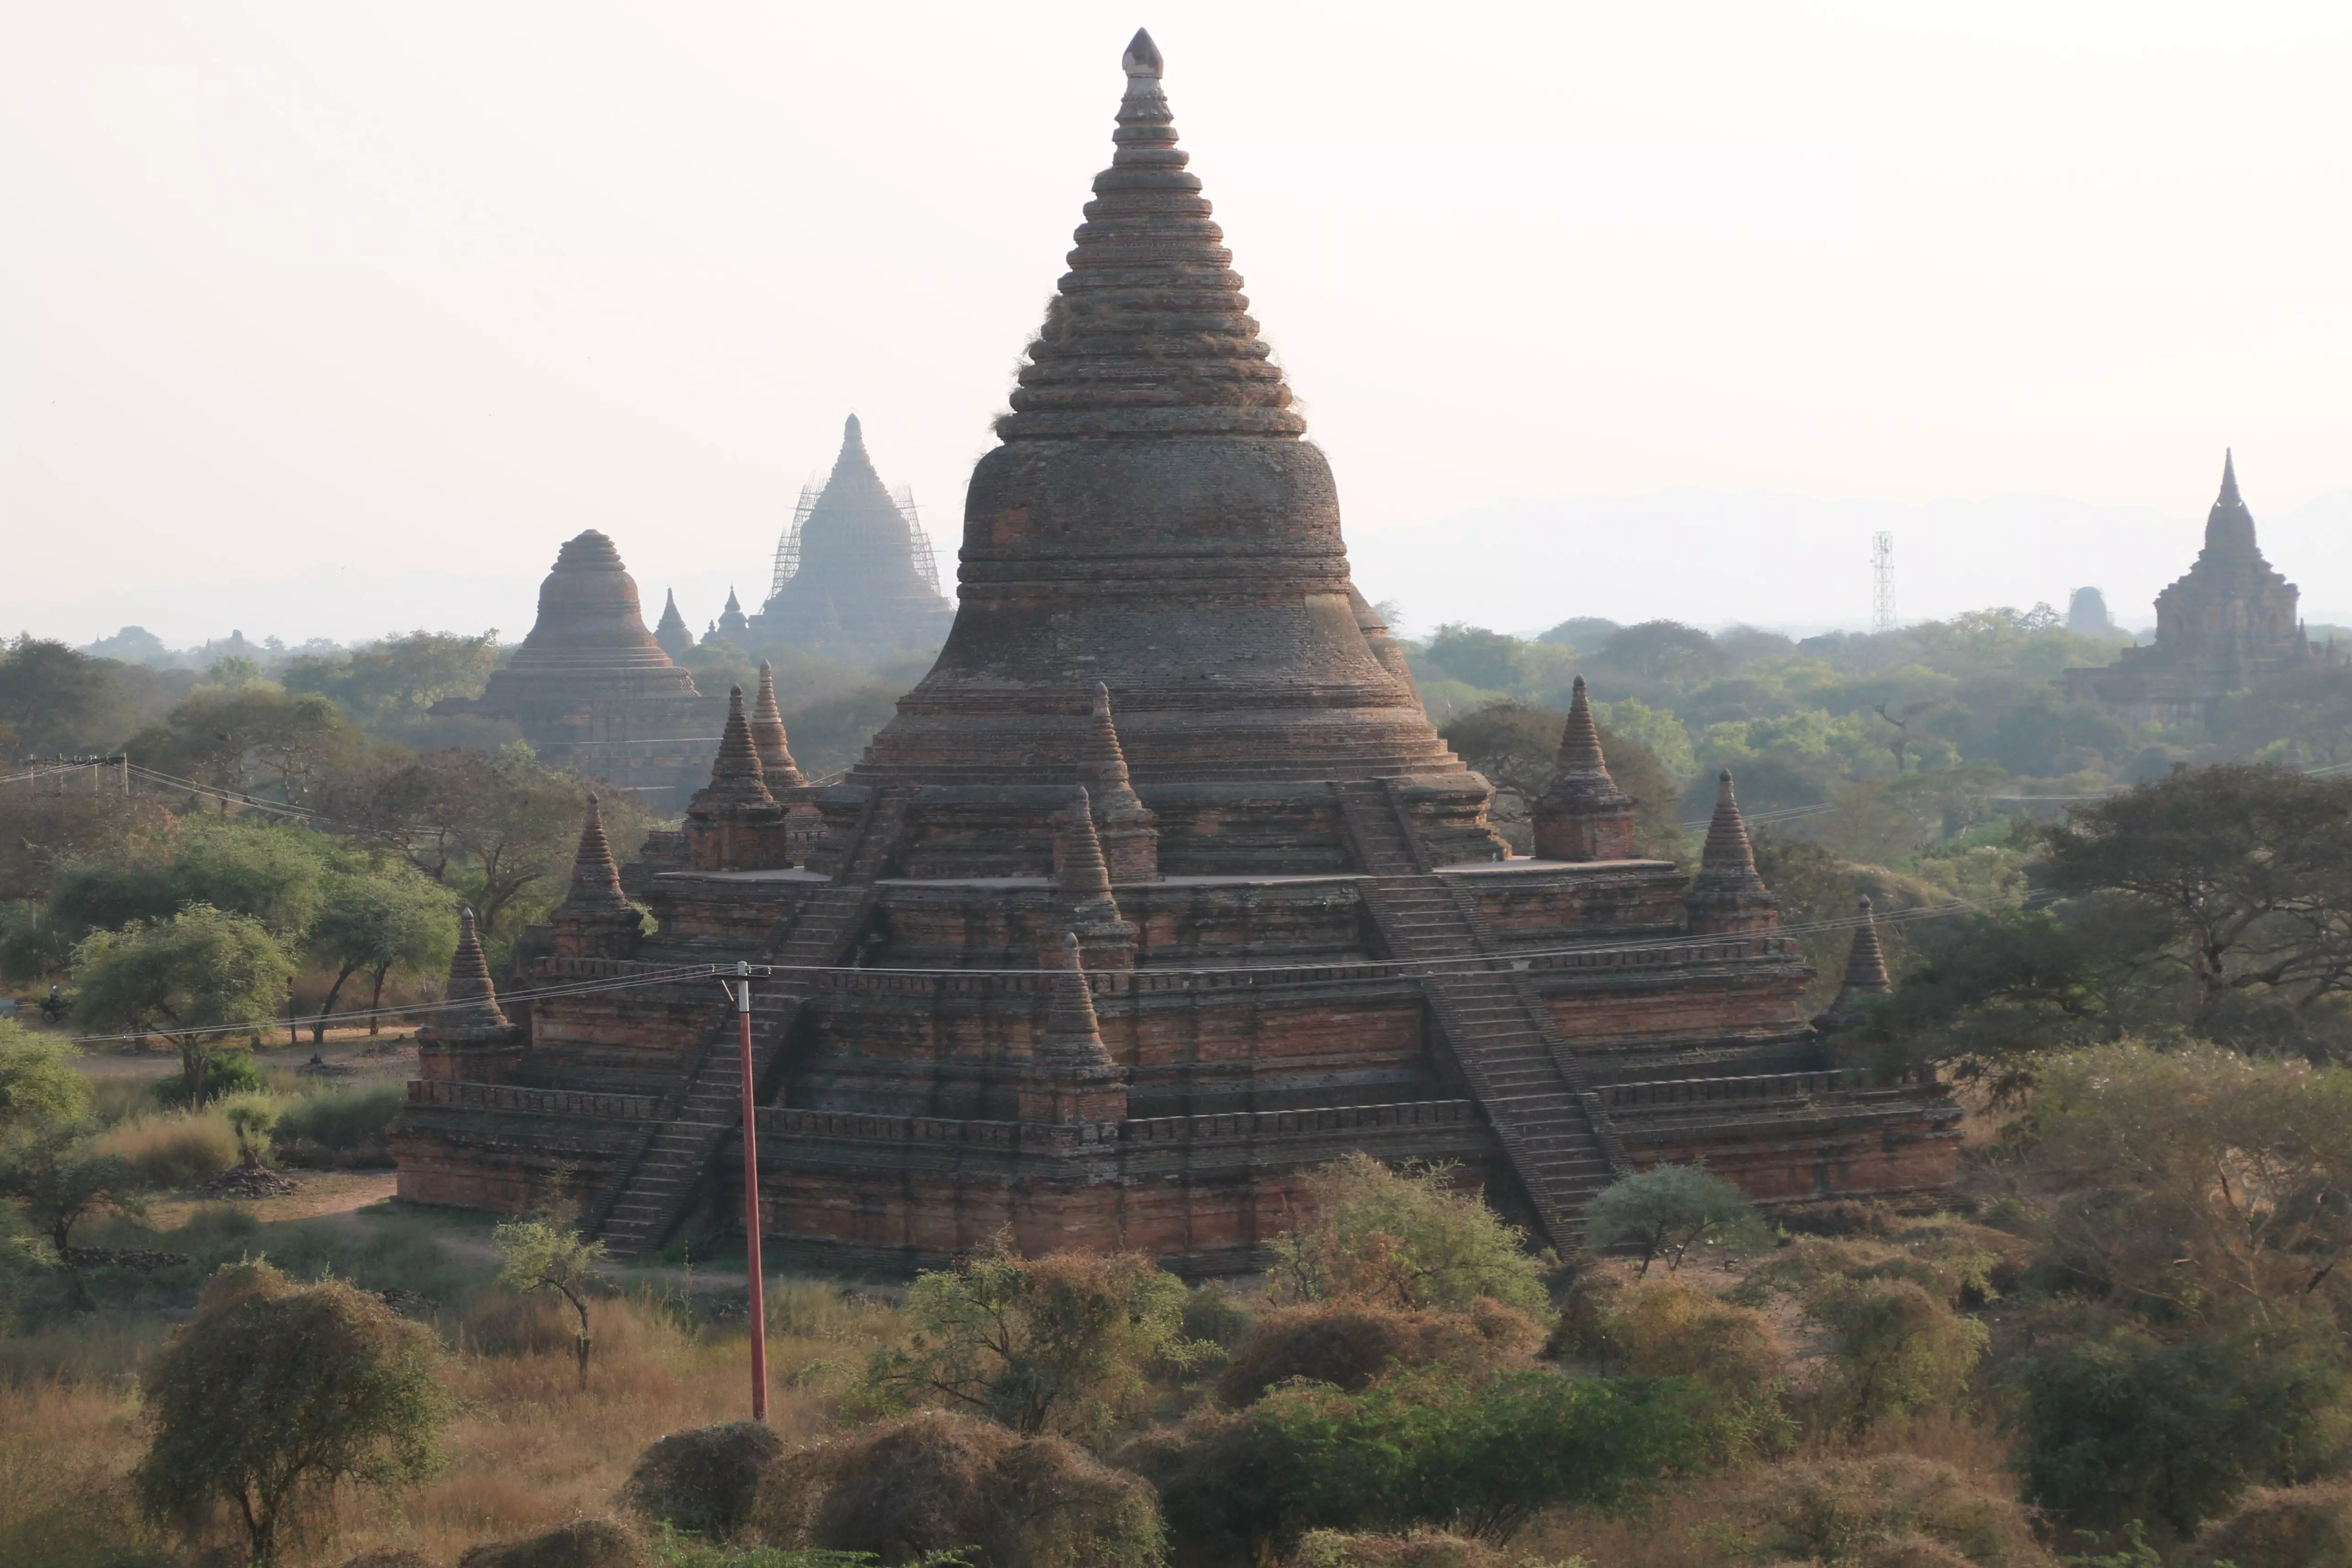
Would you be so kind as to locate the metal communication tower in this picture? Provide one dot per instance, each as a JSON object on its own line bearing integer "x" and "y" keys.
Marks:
{"x": 1882, "y": 581}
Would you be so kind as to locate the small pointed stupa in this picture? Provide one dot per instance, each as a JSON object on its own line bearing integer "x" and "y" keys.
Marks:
{"x": 1083, "y": 896}
{"x": 1583, "y": 815}
{"x": 776, "y": 765}
{"x": 1069, "y": 1080}
{"x": 1151, "y": 521}
{"x": 1130, "y": 839}
{"x": 672, "y": 632}
{"x": 1727, "y": 895}
{"x": 862, "y": 575}
{"x": 736, "y": 776}
{"x": 1073, "y": 1034}
{"x": 595, "y": 918}
{"x": 472, "y": 1001}
{"x": 1865, "y": 973}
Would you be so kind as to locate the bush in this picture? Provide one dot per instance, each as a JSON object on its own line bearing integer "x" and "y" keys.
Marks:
{"x": 1888, "y": 1513}
{"x": 1348, "y": 1345}
{"x": 225, "y": 1073}
{"x": 1663, "y": 1329}
{"x": 274, "y": 1395}
{"x": 175, "y": 1152}
{"x": 936, "y": 1482}
{"x": 1215, "y": 1313}
{"x": 344, "y": 1125}
{"x": 705, "y": 1480}
{"x": 1410, "y": 1238}
{"x": 1064, "y": 1340}
{"x": 583, "y": 1543}
{"x": 2120, "y": 1425}
{"x": 2295, "y": 1527}
{"x": 1475, "y": 1455}
{"x": 1895, "y": 1349}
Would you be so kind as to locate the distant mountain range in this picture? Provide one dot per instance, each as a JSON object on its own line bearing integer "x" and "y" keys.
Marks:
{"x": 1793, "y": 562}
{"x": 1701, "y": 555}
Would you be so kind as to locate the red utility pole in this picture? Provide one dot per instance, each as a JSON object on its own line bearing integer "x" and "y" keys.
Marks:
{"x": 752, "y": 1201}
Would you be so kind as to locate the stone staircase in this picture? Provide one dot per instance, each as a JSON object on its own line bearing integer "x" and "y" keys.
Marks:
{"x": 706, "y": 1104}
{"x": 1552, "y": 1127}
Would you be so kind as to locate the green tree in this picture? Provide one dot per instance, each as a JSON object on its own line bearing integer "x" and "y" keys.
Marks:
{"x": 2312, "y": 707}
{"x": 1060, "y": 1341}
{"x": 250, "y": 739}
{"x": 276, "y": 875}
{"x": 547, "y": 1252}
{"x": 399, "y": 677}
{"x": 1412, "y": 1237}
{"x": 193, "y": 979}
{"x": 388, "y": 918}
{"x": 1667, "y": 1210}
{"x": 38, "y": 1084}
{"x": 274, "y": 1395}
{"x": 60, "y": 1179}
{"x": 53, "y": 699}
{"x": 2251, "y": 866}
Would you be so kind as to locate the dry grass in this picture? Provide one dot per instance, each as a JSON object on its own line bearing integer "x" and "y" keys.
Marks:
{"x": 529, "y": 1451}
{"x": 175, "y": 1150}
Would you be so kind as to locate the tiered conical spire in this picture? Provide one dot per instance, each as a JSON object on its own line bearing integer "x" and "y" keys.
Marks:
{"x": 1082, "y": 878}
{"x": 1727, "y": 895}
{"x": 1150, "y": 333}
{"x": 735, "y": 775}
{"x": 474, "y": 1000}
{"x": 1102, "y": 762}
{"x": 2229, "y": 527}
{"x": 596, "y": 880}
{"x": 1727, "y": 850}
{"x": 1073, "y": 1035}
{"x": 1579, "y": 742}
{"x": 1865, "y": 963}
{"x": 1583, "y": 815}
{"x": 776, "y": 766}
{"x": 677, "y": 639}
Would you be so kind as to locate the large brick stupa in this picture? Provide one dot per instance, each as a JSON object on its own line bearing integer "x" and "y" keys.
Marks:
{"x": 1159, "y": 890}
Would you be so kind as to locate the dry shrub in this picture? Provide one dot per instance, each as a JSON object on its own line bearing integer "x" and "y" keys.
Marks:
{"x": 1838, "y": 1217}
{"x": 101, "y": 1347}
{"x": 1351, "y": 1344}
{"x": 175, "y": 1151}
{"x": 1661, "y": 1328}
{"x": 704, "y": 1481}
{"x": 1882, "y": 1512}
{"x": 935, "y": 1482}
{"x": 583, "y": 1543}
{"x": 2292, "y": 1526}
{"x": 1422, "y": 1549}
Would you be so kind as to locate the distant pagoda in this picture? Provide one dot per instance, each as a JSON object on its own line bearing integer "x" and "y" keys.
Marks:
{"x": 2229, "y": 622}
{"x": 853, "y": 570}
{"x": 592, "y": 689}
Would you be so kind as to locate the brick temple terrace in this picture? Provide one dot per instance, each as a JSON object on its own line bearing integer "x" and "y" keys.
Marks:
{"x": 1159, "y": 891}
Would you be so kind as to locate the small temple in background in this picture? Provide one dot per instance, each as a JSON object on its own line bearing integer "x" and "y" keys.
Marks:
{"x": 1160, "y": 890}
{"x": 593, "y": 691}
{"x": 854, "y": 572}
{"x": 2231, "y": 621}
{"x": 672, "y": 633}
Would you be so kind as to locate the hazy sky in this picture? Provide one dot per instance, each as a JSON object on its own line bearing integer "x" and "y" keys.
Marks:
{"x": 399, "y": 288}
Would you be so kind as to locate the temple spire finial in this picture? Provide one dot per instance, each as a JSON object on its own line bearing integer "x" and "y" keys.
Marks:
{"x": 1583, "y": 815}
{"x": 1728, "y": 846}
{"x": 736, "y": 774}
{"x": 1142, "y": 59}
{"x": 2229, "y": 474}
{"x": 595, "y": 879}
